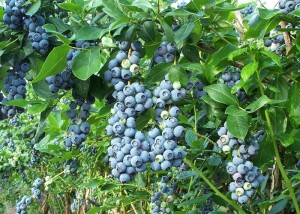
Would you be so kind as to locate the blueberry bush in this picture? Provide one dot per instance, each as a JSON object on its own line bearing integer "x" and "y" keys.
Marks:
{"x": 137, "y": 106}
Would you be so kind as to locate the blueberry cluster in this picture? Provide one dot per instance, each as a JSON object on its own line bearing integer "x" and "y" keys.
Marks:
{"x": 21, "y": 206}
{"x": 276, "y": 43}
{"x": 129, "y": 150}
{"x": 247, "y": 10}
{"x": 36, "y": 188}
{"x": 125, "y": 64}
{"x": 15, "y": 13}
{"x": 288, "y": 6}
{"x": 35, "y": 155}
{"x": 180, "y": 4}
{"x": 207, "y": 206}
{"x": 166, "y": 52}
{"x": 78, "y": 114}
{"x": 246, "y": 176}
{"x": 160, "y": 199}
{"x": 230, "y": 77}
{"x": 37, "y": 35}
{"x": 70, "y": 166}
{"x": 163, "y": 141}
{"x": 2, "y": 115}
{"x": 197, "y": 87}
{"x": 14, "y": 86}
{"x": 62, "y": 80}
{"x": 298, "y": 164}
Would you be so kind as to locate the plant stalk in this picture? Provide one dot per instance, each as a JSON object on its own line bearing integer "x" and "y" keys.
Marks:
{"x": 217, "y": 192}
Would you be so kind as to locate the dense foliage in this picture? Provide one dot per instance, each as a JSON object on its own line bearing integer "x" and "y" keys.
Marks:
{"x": 135, "y": 106}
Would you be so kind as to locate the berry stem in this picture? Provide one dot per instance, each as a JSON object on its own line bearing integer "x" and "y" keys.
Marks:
{"x": 217, "y": 192}
{"x": 205, "y": 137}
{"x": 280, "y": 166}
{"x": 277, "y": 155}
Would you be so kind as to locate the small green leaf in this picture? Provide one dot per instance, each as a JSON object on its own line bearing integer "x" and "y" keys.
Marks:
{"x": 278, "y": 207}
{"x": 146, "y": 31}
{"x": 70, "y": 7}
{"x": 158, "y": 72}
{"x": 191, "y": 52}
{"x": 87, "y": 63}
{"x": 259, "y": 103}
{"x": 221, "y": 94}
{"x": 88, "y": 33}
{"x": 249, "y": 70}
{"x": 183, "y": 32}
{"x": 190, "y": 137}
{"x": 238, "y": 125}
{"x": 94, "y": 210}
{"x": 235, "y": 110}
{"x": 34, "y": 8}
{"x": 37, "y": 108}
{"x": 177, "y": 74}
{"x": 55, "y": 63}
{"x": 275, "y": 58}
{"x": 196, "y": 200}
{"x": 186, "y": 175}
{"x": 236, "y": 53}
{"x": 294, "y": 104}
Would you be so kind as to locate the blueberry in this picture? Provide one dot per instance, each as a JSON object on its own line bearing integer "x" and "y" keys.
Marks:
{"x": 136, "y": 161}
{"x": 136, "y": 45}
{"x": 124, "y": 45}
{"x": 124, "y": 178}
{"x": 112, "y": 64}
{"x": 155, "y": 166}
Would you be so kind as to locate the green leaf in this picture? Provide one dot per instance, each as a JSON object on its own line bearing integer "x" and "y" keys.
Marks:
{"x": 285, "y": 139}
{"x": 88, "y": 33}
{"x": 221, "y": 94}
{"x": 87, "y": 63}
{"x": 158, "y": 72}
{"x": 191, "y": 52}
{"x": 221, "y": 55}
{"x": 235, "y": 110}
{"x": 194, "y": 67}
{"x": 111, "y": 8}
{"x": 190, "y": 137}
{"x": 238, "y": 125}
{"x": 183, "y": 32}
{"x": 177, "y": 74}
{"x": 249, "y": 70}
{"x": 34, "y": 8}
{"x": 146, "y": 31}
{"x": 278, "y": 207}
{"x": 266, "y": 204}
{"x": 264, "y": 157}
{"x": 236, "y": 53}
{"x": 293, "y": 104}
{"x": 37, "y": 108}
{"x": 186, "y": 175}
{"x": 278, "y": 120}
{"x": 259, "y": 103}
{"x": 214, "y": 160}
{"x": 41, "y": 88}
{"x": 92, "y": 183}
{"x": 70, "y": 7}
{"x": 94, "y": 210}
{"x": 55, "y": 63}
{"x": 196, "y": 200}
{"x": 59, "y": 24}
{"x": 81, "y": 87}
{"x": 275, "y": 58}
{"x": 143, "y": 119}
{"x": 167, "y": 30}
